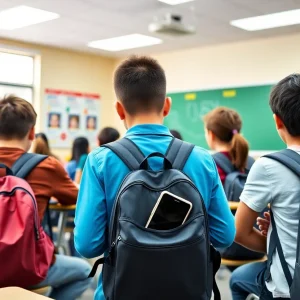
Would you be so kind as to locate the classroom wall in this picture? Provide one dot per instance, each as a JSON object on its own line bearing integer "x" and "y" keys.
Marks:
{"x": 251, "y": 62}
{"x": 74, "y": 71}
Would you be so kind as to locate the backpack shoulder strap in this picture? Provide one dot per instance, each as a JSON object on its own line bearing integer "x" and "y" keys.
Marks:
{"x": 128, "y": 152}
{"x": 288, "y": 158}
{"x": 224, "y": 162}
{"x": 178, "y": 153}
{"x": 291, "y": 160}
{"x": 26, "y": 163}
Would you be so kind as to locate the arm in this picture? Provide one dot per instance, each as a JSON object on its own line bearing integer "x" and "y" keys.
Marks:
{"x": 221, "y": 220}
{"x": 254, "y": 199}
{"x": 78, "y": 176}
{"x": 246, "y": 234}
{"x": 91, "y": 214}
{"x": 62, "y": 186}
{"x": 79, "y": 168}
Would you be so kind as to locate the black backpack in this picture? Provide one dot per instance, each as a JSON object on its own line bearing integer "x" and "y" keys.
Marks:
{"x": 235, "y": 180}
{"x": 291, "y": 160}
{"x": 152, "y": 264}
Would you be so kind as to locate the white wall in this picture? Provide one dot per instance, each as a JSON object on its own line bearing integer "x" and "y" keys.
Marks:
{"x": 243, "y": 63}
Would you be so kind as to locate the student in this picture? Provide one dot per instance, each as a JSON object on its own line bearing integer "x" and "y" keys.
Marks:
{"x": 83, "y": 149}
{"x": 222, "y": 133}
{"x": 80, "y": 150}
{"x": 176, "y": 134}
{"x": 142, "y": 109}
{"x": 270, "y": 182}
{"x": 67, "y": 276}
{"x": 41, "y": 145}
{"x": 108, "y": 135}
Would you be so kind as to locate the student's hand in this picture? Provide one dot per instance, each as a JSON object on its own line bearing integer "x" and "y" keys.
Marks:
{"x": 264, "y": 223}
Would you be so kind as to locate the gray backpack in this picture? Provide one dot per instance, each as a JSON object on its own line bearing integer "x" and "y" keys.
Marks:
{"x": 235, "y": 180}
{"x": 291, "y": 160}
{"x": 152, "y": 264}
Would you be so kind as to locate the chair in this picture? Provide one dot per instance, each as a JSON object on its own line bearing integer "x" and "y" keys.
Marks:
{"x": 44, "y": 291}
{"x": 252, "y": 297}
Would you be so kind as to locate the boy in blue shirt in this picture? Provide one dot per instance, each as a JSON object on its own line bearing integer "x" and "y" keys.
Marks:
{"x": 140, "y": 86}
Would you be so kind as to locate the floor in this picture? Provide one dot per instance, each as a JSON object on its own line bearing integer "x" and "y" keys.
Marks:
{"x": 222, "y": 279}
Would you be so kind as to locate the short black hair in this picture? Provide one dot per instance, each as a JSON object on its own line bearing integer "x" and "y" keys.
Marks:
{"x": 285, "y": 103}
{"x": 140, "y": 84}
{"x": 108, "y": 135}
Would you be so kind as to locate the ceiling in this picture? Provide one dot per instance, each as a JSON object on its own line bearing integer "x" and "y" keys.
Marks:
{"x": 83, "y": 21}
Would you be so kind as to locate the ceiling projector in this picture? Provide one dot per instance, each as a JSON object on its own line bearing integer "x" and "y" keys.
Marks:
{"x": 172, "y": 25}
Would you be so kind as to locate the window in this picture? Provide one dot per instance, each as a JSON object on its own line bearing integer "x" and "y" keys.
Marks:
{"x": 16, "y": 75}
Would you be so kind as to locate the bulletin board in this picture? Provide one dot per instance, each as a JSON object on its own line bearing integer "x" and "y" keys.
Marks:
{"x": 71, "y": 115}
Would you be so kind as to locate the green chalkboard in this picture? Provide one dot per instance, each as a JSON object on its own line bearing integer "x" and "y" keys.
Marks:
{"x": 252, "y": 103}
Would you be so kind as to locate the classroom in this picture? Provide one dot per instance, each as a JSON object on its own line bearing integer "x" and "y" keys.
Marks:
{"x": 149, "y": 149}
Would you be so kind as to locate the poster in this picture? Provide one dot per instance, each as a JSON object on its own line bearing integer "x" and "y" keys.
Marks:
{"x": 71, "y": 115}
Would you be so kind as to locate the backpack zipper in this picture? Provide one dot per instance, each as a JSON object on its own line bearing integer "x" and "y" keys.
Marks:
{"x": 194, "y": 241}
{"x": 34, "y": 204}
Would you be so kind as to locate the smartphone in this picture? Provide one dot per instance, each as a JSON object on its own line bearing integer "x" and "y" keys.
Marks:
{"x": 169, "y": 212}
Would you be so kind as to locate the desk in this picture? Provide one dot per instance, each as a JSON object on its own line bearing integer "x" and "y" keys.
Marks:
{"x": 62, "y": 221}
{"x": 16, "y": 293}
{"x": 233, "y": 205}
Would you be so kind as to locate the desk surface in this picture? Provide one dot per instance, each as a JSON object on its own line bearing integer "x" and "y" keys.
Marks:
{"x": 233, "y": 205}
{"x": 60, "y": 207}
{"x": 17, "y": 293}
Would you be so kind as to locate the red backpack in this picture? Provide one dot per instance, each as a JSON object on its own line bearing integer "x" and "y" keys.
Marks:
{"x": 26, "y": 252}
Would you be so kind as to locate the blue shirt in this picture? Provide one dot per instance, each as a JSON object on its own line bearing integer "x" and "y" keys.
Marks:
{"x": 71, "y": 169}
{"x": 104, "y": 172}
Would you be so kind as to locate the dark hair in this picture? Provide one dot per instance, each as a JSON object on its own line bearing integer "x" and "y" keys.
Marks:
{"x": 17, "y": 117}
{"x": 43, "y": 137}
{"x": 41, "y": 145}
{"x": 140, "y": 84}
{"x": 285, "y": 103}
{"x": 80, "y": 147}
{"x": 226, "y": 125}
{"x": 176, "y": 134}
{"x": 108, "y": 135}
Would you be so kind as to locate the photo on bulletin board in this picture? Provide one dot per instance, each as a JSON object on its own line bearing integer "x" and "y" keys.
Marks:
{"x": 91, "y": 123}
{"x": 54, "y": 120}
{"x": 74, "y": 122}
{"x": 71, "y": 115}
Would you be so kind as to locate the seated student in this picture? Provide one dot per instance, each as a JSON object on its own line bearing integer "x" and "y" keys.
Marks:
{"x": 222, "y": 132}
{"x": 84, "y": 151}
{"x": 270, "y": 182}
{"x": 67, "y": 275}
{"x": 80, "y": 150}
{"x": 176, "y": 134}
{"x": 108, "y": 135}
{"x": 142, "y": 109}
{"x": 41, "y": 145}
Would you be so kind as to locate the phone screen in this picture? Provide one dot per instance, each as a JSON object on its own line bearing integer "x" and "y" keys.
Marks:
{"x": 169, "y": 214}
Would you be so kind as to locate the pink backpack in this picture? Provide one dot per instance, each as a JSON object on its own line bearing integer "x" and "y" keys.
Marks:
{"x": 26, "y": 252}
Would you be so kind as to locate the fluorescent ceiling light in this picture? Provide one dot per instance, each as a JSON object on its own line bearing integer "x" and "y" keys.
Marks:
{"x": 125, "y": 42}
{"x": 22, "y": 16}
{"x": 175, "y": 2}
{"x": 285, "y": 18}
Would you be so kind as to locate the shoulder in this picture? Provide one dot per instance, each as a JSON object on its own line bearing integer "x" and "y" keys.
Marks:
{"x": 51, "y": 163}
{"x": 202, "y": 157}
{"x": 201, "y": 163}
